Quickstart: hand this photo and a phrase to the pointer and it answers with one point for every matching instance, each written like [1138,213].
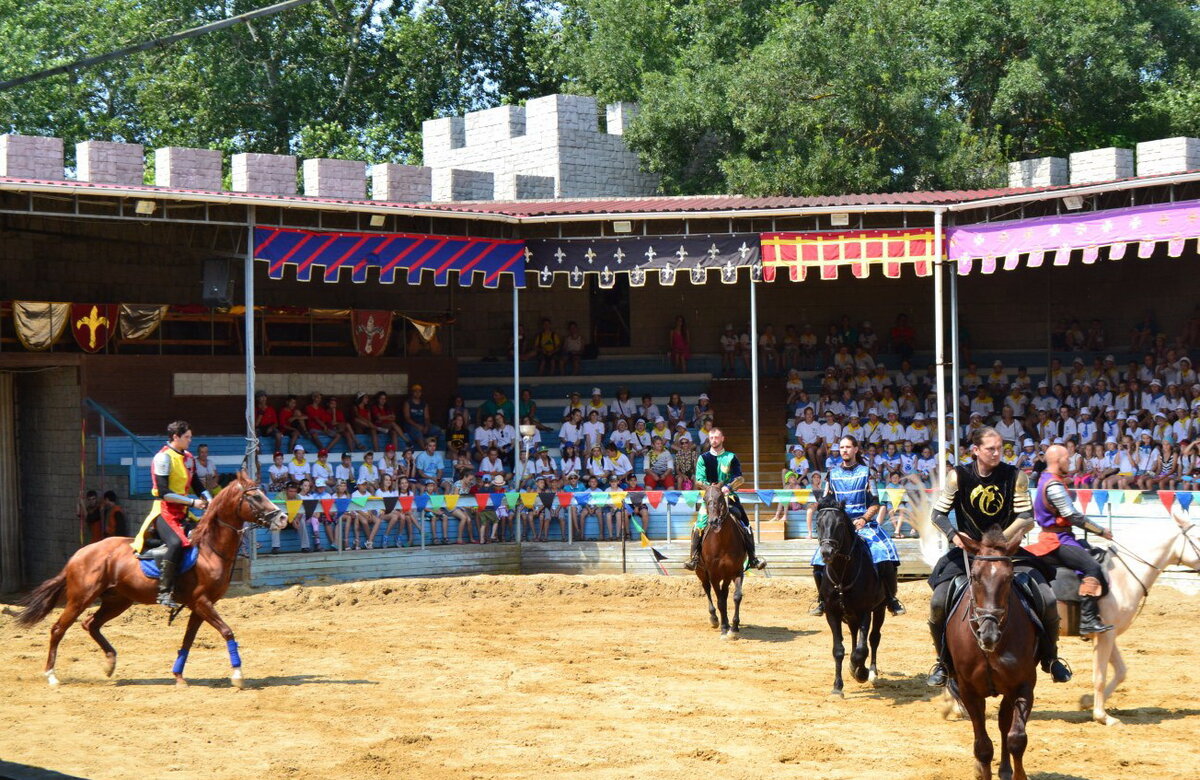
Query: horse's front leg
[1017,738]
[712,608]
[877,618]
[976,707]
[858,657]
[834,618]
[723,607]
[737,607]
[209,615]
[1104,651]
[189,636]
[1006,725]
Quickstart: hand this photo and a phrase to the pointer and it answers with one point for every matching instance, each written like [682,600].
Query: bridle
[261,518]
[977,615]
[840,585]
[721,502]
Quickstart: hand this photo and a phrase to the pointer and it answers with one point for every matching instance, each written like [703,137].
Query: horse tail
[919,514]
[42,600]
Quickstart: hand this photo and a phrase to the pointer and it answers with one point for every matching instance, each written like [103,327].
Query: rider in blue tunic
[850,482]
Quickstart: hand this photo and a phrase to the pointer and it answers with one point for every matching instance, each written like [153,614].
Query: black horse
[851,589]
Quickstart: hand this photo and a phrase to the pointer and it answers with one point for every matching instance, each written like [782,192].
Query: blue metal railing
[107,417]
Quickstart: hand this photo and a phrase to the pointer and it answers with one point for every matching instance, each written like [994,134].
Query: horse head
[246,502]
[717,504]
[990,583]
[1189,554]
[835,532]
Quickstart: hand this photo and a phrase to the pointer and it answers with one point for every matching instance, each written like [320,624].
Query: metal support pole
[955,372]
[516,399]
[754,379]
[939,336]
[248,300]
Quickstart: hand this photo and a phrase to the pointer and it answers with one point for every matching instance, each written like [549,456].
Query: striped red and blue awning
[390,254]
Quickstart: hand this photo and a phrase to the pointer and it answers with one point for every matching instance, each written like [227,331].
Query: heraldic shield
[372,329]
[93,324]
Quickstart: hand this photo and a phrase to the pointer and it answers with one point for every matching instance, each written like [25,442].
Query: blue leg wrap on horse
[235,660]
[180,660]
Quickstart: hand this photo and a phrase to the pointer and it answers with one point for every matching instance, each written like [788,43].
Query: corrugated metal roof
[515,211]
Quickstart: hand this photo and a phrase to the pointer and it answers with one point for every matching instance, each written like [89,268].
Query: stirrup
[896,608]
[757,563]
[939,675]
[817,609]
[1058,670]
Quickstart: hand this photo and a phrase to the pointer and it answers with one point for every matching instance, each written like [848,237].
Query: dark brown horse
[109,570]
[851,590]
[722,561]
[993,644]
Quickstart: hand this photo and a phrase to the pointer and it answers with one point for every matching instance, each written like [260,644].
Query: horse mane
[994,538]
[218,505]
[829,500]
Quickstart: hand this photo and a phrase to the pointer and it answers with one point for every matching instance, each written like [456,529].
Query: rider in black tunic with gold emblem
[981,494]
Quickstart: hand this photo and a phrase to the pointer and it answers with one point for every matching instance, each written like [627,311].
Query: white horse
[1131,570]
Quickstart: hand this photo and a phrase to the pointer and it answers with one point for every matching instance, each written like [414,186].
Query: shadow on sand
[773,633]
[252,683]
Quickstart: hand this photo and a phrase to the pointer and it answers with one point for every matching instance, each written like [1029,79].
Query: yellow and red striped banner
[858,249]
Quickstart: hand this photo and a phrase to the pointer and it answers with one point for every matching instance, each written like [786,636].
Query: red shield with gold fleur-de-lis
[93,324]
[372,329]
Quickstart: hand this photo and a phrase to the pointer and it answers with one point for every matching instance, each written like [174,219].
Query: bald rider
[1057,517]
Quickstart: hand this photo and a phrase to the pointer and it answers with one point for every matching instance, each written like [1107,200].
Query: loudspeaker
[217,287]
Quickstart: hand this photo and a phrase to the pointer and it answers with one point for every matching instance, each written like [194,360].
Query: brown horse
[109,570]
[722,561]
[993,644]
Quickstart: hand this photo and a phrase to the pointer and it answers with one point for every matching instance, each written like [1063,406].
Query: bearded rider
[1057,545]
[718,466]
[171,474]
[984,492]
[850,483]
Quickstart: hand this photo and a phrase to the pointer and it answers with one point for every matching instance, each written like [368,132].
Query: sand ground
[530,676]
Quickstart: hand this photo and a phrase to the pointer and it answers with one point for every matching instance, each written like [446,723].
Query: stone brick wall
[48,422]
[1101,165]
[554,137]
[1169,155]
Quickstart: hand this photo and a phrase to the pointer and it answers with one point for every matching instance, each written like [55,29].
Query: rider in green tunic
[718,466]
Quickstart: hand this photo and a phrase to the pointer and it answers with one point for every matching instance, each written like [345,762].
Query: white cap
[703,397]
[1078,360]
[997,363]
[1058,440]
[1155,381]
[873,411]
[1027,443]
[1185,357]
[298,448]
[1160,414]
[1122,416]
[497,480]
[1043,384]
[595,391]
[977,414]
[1108,409]
[1086,410]
[659,419]
[1109,359]
[918,416]
[1110,440]
[681,424]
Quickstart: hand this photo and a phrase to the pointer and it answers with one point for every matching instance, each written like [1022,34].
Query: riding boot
[694,559]
[166,584]
[755,563]
[818,575]
[1089,617]
[938,606]
[891,585]
[1051,663]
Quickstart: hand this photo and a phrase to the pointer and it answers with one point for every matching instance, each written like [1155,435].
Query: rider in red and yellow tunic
[171,474]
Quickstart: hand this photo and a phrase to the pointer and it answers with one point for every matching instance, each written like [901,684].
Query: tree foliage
[753,96]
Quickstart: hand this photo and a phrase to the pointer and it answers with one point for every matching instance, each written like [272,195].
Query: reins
[1119,548]
[840,586]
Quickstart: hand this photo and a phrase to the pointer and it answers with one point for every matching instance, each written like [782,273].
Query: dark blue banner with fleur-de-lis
[670,257]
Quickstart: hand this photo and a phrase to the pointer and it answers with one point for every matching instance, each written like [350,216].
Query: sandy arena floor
[551,675]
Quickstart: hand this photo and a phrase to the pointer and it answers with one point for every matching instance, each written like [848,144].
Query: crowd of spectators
[615,444]
[1131,427]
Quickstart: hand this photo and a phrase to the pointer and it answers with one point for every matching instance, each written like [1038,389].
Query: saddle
[1024,588]
[1067,581]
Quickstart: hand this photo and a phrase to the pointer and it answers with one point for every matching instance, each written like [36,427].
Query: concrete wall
[48,424]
